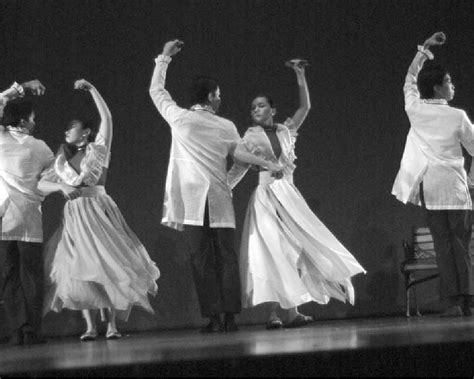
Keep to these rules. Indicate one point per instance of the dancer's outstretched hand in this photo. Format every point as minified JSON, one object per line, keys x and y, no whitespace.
{"x":70,"y":192}
{"x":274,"y":167}
{"x":436,"y":39}
{"x":35,"y":87}
{"x":83,"y":84}
{"x":172,"y":47}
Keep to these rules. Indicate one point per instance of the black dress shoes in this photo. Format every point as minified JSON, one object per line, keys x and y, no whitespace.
{"x":214,"y":326}
{"x":229,"y":323}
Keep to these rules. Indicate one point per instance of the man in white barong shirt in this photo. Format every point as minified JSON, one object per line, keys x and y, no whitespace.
{"x":23,"y":159}
{"x":432,"y":173}
{"x":198,"y":197}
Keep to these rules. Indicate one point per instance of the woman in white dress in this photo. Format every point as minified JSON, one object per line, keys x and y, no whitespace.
{"x":94,"y":261}
{"x":287,"y":256}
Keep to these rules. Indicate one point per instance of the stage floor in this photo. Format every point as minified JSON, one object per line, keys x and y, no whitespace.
{"x":385,"y":346}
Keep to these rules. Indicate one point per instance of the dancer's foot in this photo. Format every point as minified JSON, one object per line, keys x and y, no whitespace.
{"x":274,"y":323}
{"x":89,"y":335}
{"x":215,"y":326}
{"x":113,"y":334}
{"x":229,"y":323}
{"x":453,"y":311}
{"x":298,"y":321}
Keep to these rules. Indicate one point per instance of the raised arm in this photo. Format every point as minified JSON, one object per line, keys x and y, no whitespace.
{"x":18,"y":90}
{"x":410,"y":88}
{"x":104,"y":135}
{"x":160,"y":96}
{"x":303,"y":93}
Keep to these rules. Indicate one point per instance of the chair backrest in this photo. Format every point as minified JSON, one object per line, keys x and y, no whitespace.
{"x":423,"y":246}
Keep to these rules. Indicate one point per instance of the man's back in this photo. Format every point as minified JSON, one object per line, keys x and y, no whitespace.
{"x":440,"y":126}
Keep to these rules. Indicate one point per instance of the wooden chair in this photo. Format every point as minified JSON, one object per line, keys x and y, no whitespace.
{"x":420,"y":257}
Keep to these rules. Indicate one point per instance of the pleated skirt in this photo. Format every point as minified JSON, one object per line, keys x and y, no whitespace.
{"x":94,"y":260}
{"x":287,"y":254}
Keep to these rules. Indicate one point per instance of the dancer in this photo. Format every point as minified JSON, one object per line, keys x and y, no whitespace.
{"x":94,"y":261}
{"x":23,"y":160}
{"x":198,"y":199}
{"x":432,"y":173}
{"x":287,"y":256}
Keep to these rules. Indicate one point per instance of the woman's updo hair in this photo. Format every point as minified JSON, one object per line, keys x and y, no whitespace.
{"x":268,"y":98}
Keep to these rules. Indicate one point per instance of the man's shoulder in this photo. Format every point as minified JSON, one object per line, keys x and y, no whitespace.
{"x":222,"y":121}
{"x":40,"y":144}
{"x":459,"y":111}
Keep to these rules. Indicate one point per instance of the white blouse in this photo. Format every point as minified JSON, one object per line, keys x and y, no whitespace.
{"x":256,"y":142}
{"x":97,"y":158}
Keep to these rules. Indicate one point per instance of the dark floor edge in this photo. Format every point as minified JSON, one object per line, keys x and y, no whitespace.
{"x":449,"y":359}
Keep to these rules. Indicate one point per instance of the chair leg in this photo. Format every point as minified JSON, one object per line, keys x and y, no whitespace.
{"x":408,"y":302}
{"x":418,"y":314}
{"x":407,"y":291}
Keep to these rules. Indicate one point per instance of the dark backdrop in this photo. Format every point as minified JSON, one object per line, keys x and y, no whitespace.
{"x":349,"y":147}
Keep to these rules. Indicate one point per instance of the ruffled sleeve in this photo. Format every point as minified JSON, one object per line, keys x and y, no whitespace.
{"x":236,"y":173}
{"x":92,"y":166}
{"x":290,"y":124}
{"x":50,"y":175}
{"x":96,"y":159}
{"x":254,"y":142}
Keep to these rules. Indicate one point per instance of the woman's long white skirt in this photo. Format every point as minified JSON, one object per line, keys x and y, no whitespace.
{"x":287,"y":255}
{"x":94,"y":260}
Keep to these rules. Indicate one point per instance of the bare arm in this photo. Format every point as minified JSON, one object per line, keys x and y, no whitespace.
{"x":303,"y":93}
{"x":46,"y":187}
{"x":105,"y":128}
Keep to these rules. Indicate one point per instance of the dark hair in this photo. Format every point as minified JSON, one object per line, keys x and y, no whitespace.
{"x":200,"y":89}
{"x":86,"y":124}
{"x":268,"y":98}
{"x":428,"y":78}
{"x":17,"y":110}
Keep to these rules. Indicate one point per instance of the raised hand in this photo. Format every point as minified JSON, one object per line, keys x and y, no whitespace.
{"x":172,"y":47}
{"x":83,"y":84}
{"x":436,"y":39}
{"x":35,"y":87}
{"x":298,"y":65}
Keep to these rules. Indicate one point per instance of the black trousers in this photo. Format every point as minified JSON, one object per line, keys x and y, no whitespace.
{"x":23,"y":281}
{"x":215,"y":268}
{"x":451,"y":231}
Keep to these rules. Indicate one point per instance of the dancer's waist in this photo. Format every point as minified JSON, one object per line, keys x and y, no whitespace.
{"x":92,"y":191}
{"x":265,"y":177}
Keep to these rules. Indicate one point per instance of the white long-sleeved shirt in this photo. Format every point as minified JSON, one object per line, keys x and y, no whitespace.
{"x":23,"y":159}
{"x":200,"y":144}
{"x":433,"y":152}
